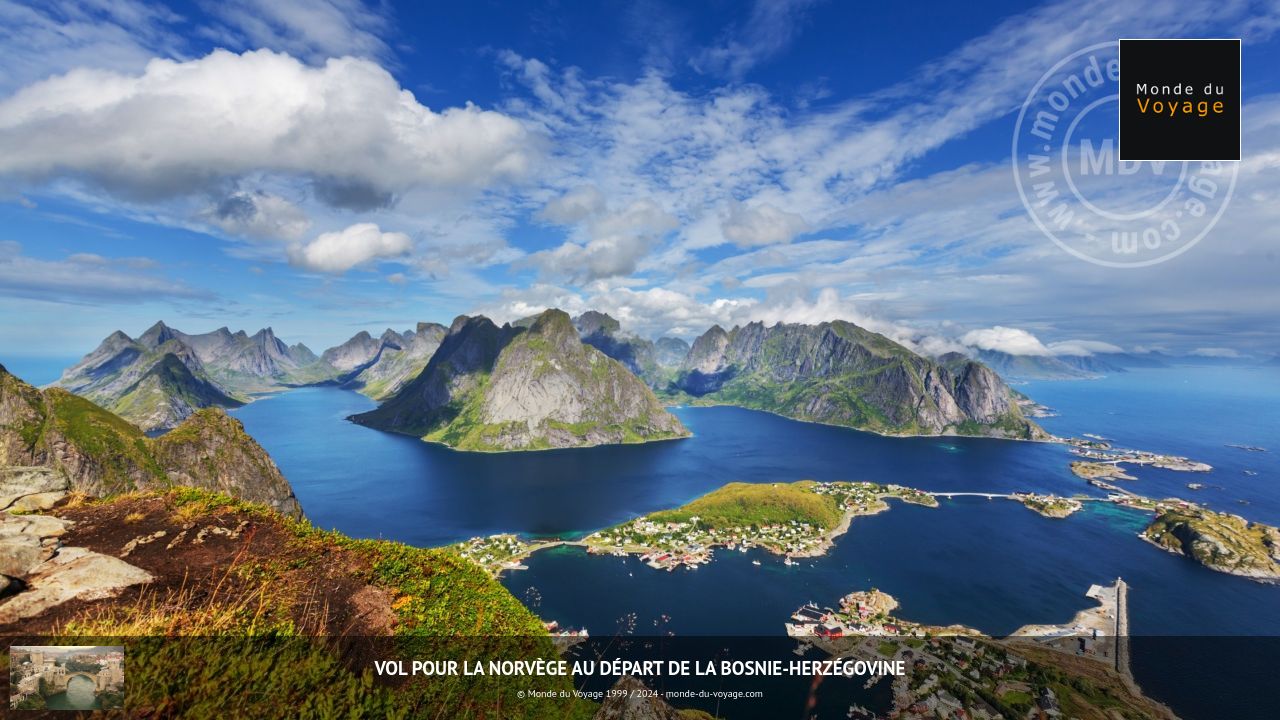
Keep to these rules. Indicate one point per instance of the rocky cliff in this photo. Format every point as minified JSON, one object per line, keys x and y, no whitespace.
{"x":839,"y":373}
{"x":52,"y":442}
{"x":379,"y":368}
{"x":647,"y":360}
{"x":517,"y":388}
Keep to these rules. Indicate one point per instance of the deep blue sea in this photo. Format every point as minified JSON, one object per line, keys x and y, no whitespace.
{"x":993,"y":565}
{"x":989,"y":564}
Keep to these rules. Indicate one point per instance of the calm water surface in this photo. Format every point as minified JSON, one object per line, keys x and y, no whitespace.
{"x":992,"y":565}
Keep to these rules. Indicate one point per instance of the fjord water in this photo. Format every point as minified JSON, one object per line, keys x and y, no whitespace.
{"x":989,"y":564}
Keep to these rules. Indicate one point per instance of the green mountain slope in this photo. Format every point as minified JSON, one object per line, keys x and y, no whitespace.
{"x":98,"y":453}
{"x":841,"y":374}
{"x":517,"y":388}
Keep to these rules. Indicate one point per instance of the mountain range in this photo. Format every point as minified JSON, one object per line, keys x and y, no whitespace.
{"x":549,"y":381}
{"x":526,"y":386}
{"x":842,"y":374}
{"x":379,"y":368}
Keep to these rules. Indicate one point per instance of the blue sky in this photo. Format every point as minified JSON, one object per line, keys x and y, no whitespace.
{"x":330,"y":166}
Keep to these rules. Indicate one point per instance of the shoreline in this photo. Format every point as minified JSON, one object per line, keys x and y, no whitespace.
{"x":1051,"y":440}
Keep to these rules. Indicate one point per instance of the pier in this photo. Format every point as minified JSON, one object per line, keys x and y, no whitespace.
{"x":1122,"y":630}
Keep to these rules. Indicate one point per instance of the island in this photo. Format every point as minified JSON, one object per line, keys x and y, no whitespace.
{"x":1094,"y":470}
{"x":1219,"y":541}
{"x":1050,"y":506}
{"x":799,"y":519}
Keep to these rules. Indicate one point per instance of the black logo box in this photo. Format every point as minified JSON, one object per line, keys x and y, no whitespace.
{"x":1185,"y":67}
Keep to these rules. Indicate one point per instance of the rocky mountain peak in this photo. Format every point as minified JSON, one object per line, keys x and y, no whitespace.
{"x":592,"y":322}
{"x":157,"y":335}
{"x":523,"y":388}
{"x":554,"y":324}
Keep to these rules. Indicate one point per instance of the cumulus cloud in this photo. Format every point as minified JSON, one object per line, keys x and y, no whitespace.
{"x":184,"y":127}
{"x":1005,"y":339}
{"x":762,"y":224}
{"x":340,"y":251}
{"x":574,"y":206}
{"x":258,"y":215}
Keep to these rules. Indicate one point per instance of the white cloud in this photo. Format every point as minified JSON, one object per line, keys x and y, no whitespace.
{"x":607,"y":243}
{"x":770,"y":28}
{"x":1083,"y":348}
{"x":42,"y":39}
{"x":1005,"y":339}
{"x":186,"y":127}
{"x":1216,"y":352}
{"x":338,"y":252}
{"x":762,"y":224}
{"x":574,"y":206}
{"x":85,"y":278}
{"x":314,"y":30}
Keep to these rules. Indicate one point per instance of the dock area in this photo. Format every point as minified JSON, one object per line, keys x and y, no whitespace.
{"x":1101,"y":632}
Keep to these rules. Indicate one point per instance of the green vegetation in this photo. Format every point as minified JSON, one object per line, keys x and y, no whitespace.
{"x":756,"y":505}
{"x":1223,"y":542}
{"x":119,"y":449}
{"x":493,"y":389}
{"x":280,"y":653}
{"x":839,"y":374}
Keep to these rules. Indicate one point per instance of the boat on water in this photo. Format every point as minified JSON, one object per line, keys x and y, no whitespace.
{"x":755,"y":562}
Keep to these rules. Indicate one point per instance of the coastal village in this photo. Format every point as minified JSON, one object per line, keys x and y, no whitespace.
{"x":802,"y":519}
{"x":690,"y":543}
{"x":958,"y":672}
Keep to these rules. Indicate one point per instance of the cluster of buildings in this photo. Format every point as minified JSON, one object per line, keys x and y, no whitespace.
{"x":867,"y":497}
{"x":1101,"y":452}
{"x":47,"y":671}
{"x":669,"y":545}
{"x":861,"y":614}
{"x":495,"y":552}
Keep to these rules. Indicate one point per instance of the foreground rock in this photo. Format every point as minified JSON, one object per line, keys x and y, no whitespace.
{"x":516,"y":388}
{"x":71,"y":574}
{"x":53,"y":442}
{"x":31,"y":488}
{"x":26,"y":541}
{"x":1219,"y":541}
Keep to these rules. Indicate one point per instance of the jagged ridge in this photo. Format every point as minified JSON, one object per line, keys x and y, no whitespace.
{"x":839,"y":373}
{"x":517,"y":388}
